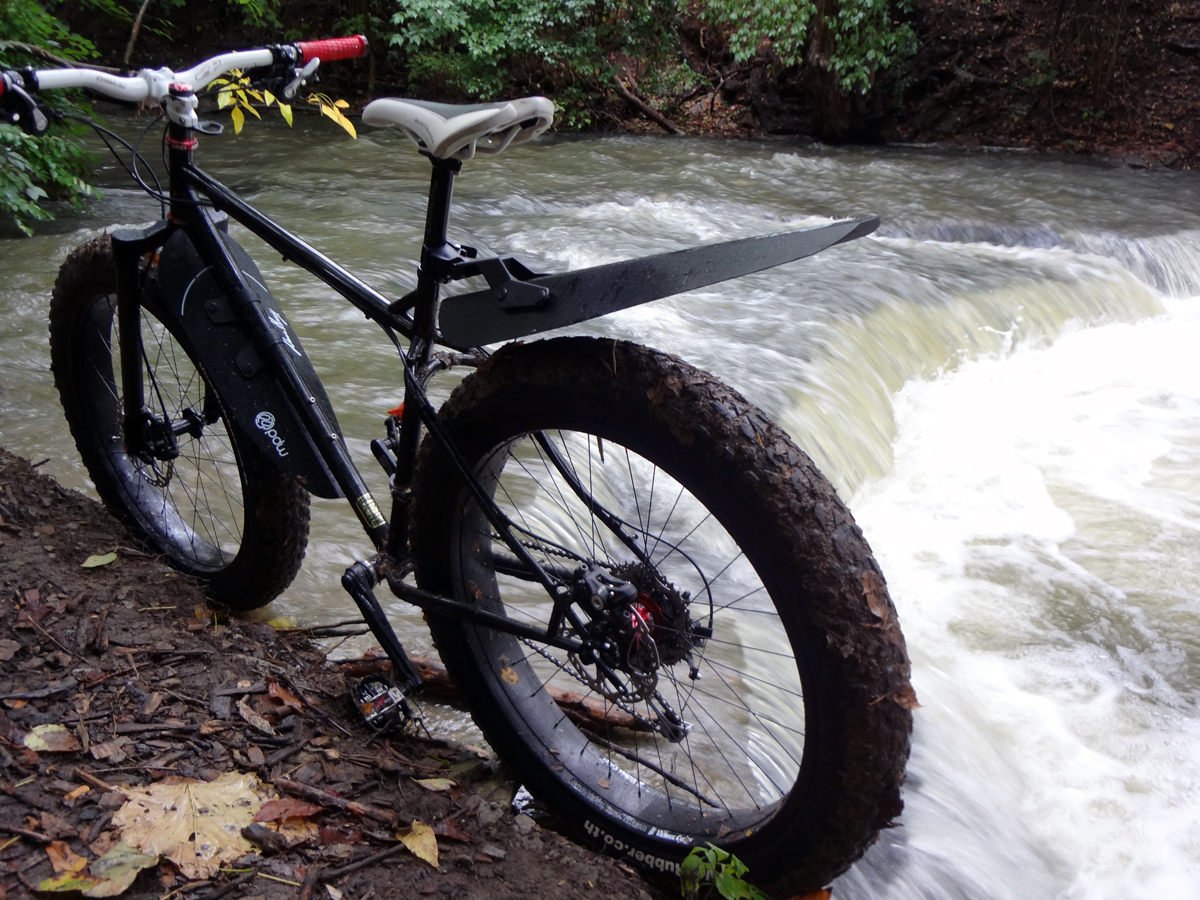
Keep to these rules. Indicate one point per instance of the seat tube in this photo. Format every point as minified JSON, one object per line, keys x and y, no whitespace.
{"x":437,"y":259}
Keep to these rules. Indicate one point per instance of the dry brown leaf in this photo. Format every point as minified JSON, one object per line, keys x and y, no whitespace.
{"x":436,"y":785}
{"x":282,"y":694}
{"x":252,"y":718}
{"x":286,"y":808}
{"x":113,"y":750}
{"x":906,"y":698}
{"x":510,"y":675}
{"x":196,"y":825}
{"x":816,"y":895}
{"x":421,"y":842}
{"x":64,"y":859}
{"x":874,"y":590}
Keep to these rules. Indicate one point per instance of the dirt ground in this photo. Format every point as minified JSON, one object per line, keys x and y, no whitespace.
{"x":152,"y":687}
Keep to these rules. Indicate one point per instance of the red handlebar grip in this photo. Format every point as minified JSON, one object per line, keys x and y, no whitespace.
{"x":334,"y":48}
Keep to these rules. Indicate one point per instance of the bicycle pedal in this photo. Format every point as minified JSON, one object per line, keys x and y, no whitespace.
{"x":381,"y":704}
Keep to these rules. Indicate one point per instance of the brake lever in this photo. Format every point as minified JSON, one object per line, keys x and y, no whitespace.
{"x":27,"y":115}
{"x":302,"y":76}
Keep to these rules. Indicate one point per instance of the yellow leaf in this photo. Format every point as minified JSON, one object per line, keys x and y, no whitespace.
{"x":64,"y":859}
{"x":224,"y":98}
{"x":255,"y":94}
{"x":196,"y":825}
{"x":341,"y":104}
{"x":238,"y":120}
{"x":286,"y":110}
{"x":100,"y":560}
{"x":421,"y":842}
{"x":51,"y":739}
{"x":282,"y":621}
{"x":67,"y":882}
{"x":268,"y":97}
{"x":251,"y":109}
{"x":118,"y":869}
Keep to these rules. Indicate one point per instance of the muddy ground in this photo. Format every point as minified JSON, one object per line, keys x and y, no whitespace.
{"x":151,"y":686}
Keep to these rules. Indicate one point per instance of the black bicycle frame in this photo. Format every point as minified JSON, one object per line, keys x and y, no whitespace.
{"x":517,"y":302}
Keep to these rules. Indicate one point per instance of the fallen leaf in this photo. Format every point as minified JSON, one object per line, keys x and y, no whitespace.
{"x":817,"y":895}
{"x":510,"y":675}
{"x":118,"y":869}
{"x":421,"y":842}
{"x":67,"y":882}
{"x":448,"y":829}
{"x":604,"y":783}
{"x":334,"y":893}
{"x":481,"y":752}
{"x":51,"y":739}
{"x":78,"y":792}
{"x":875,"y":592}
{"x":98,"y":560}
{"x":906,"y":698}
{"x":196,"y":825}
{"x":436,"y":784}
{"x":286,"y":808}
{"x":64,"y":860}
{"x":55,"y":827}
{"x":279,"y":692}
{"x":282,"y":622}
{"x":252,"y":718}
{"x":113,"y":750}
{"x":8,"y":649}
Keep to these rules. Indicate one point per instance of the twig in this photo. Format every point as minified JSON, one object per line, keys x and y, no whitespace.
{"x":41,"y":53}
{"x":332,"y":874}
{"x":311,"y":877}
{"x":231,"y":886}
{"x":25,"y":833}
{"x":330,"y":799}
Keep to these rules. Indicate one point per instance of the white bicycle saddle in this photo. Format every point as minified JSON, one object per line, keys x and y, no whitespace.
{"x":452,"y":131}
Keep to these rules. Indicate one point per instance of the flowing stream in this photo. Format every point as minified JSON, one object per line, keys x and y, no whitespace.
{"x":1003,"y":382}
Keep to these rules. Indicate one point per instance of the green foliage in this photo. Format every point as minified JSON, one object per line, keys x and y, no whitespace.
{"x":33,"y":169}
{"x":474,"y":45}
{"x":50,"y":167}
{"x":852,"y":38}
{"x":1044,"y":71}
{"x":24,"y":21}
{"x":712,"y":864}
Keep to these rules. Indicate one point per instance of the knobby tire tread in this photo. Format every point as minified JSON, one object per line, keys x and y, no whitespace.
{"x":862,"y":694}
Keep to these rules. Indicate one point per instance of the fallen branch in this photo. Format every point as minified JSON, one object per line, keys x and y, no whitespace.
{"x":334,"y":801}
{"x":646,"y":109}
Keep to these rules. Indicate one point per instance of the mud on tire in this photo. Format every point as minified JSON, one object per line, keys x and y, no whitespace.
{"x":215,"y":511}
{"x":800,"y":721}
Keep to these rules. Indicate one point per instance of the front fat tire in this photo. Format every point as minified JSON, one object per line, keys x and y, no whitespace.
{"x":827,"y":592}
{"x":217,"y":512}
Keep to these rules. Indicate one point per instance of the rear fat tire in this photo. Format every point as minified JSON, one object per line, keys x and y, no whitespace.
{"x":831,"y":600}
{"x":216,"y":494}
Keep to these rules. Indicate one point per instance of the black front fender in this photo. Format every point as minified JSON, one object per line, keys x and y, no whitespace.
{"x":185,"y":296}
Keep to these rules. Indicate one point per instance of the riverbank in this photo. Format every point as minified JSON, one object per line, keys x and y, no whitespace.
{"x":1010,"y":73}
{"x":118,"y":678}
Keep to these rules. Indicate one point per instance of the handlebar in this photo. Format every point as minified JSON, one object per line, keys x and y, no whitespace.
{"x":155,"y":83}
{"x":334,"y":48}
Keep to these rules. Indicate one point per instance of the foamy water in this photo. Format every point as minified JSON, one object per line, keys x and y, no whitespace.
{"x":1041,"y":535}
